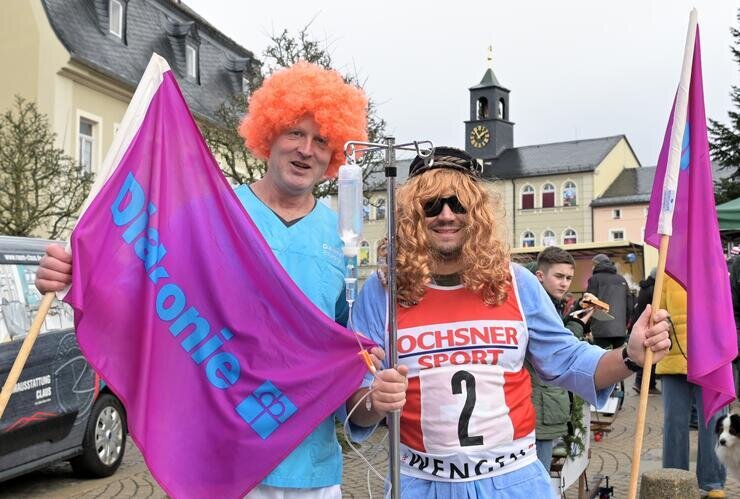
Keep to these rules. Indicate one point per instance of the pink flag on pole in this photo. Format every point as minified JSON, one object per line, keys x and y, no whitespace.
{"x":695,"y":258}
{"x":223,"y":365}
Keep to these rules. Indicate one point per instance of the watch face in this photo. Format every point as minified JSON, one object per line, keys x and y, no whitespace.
{"x":479,"y":136}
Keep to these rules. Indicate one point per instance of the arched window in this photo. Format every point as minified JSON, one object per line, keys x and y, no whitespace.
{"x":528,"y":240}
{"x":364,"y":255}
{"x":482,"y":112}
{"x":380,"y":209}
{"x":365,"y":209}
{"x":548,"y":196}
{"x":527,"y":197}
{"x":548,"y":238}
{"x":569,"y":194}
{"x":570,"y":236}
{"x":502,"y":109}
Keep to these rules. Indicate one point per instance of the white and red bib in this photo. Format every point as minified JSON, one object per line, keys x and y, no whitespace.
{"x":468,"y":411}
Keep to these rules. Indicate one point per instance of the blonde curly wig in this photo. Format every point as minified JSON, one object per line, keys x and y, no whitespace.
{"x":485,"y":257}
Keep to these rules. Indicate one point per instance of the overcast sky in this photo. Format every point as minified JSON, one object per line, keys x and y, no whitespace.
{"x":576,"y":69}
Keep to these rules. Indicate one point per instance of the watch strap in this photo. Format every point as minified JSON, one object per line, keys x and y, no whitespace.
{"x":631,"y":364}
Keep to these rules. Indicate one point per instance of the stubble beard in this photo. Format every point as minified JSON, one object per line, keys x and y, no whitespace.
{"x":446,"y":255}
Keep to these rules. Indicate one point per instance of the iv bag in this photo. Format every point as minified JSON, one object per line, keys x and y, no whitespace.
{"x":350,"y":207}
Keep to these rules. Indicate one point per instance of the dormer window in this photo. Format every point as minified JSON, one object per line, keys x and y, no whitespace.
{"x":115,"y":18}
{"x":245,"y":85}
{"x":191,"y":61}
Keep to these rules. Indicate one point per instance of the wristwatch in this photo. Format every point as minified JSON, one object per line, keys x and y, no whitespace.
{"x":631,"y":364}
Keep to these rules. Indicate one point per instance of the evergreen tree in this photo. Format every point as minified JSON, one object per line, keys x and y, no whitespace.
{"x":724,"y":142}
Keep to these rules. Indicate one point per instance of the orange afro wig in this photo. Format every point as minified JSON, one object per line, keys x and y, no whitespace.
{"x":304,"y":89}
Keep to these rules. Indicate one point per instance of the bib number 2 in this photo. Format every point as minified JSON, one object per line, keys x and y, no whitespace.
{"x":462,"y":425}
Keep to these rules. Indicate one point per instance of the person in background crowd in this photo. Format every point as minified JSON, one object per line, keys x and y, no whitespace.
{"x":555,"y":270}
{"x":611,"y":288}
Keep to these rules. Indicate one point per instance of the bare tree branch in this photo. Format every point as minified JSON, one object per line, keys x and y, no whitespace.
{"x":41,"y":188}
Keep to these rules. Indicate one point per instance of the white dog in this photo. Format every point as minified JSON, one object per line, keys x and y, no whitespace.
{"x":728,"y":443}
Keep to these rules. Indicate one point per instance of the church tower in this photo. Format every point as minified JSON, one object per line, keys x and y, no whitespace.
{"x":488,"y":131}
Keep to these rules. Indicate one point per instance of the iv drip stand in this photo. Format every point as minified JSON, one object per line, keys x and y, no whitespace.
{"x":389,"y":146}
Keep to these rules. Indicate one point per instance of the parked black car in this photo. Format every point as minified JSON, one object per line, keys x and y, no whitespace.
{"x":59,"y":409}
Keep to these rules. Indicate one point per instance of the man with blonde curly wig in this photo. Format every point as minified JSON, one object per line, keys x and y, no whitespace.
{"x":467,"y":318}
{"x":298,"y":122}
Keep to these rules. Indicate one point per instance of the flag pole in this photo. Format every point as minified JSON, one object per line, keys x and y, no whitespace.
{"x":25,"y":351}
{"x":646,"y":370}
{"x":665,"y":229}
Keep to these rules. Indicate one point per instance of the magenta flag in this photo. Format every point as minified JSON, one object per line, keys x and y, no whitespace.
{"x":695,"y":258}
{"x":223,"y":365}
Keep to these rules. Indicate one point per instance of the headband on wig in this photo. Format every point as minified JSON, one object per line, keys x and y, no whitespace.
{"x":305,"y":89}
{"x":446,"y":157}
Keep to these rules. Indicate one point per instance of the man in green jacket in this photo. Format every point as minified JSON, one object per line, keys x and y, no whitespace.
{"x":555,"y":269}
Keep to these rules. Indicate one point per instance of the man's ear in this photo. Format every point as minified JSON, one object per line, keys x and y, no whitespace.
{"x":540,"y":275}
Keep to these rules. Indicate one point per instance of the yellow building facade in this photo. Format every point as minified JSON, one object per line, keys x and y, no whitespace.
{"x":80,"y":63}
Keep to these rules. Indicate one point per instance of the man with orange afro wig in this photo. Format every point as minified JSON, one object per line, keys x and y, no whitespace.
{"x":298,"y":121}
{"x":467,"y":318}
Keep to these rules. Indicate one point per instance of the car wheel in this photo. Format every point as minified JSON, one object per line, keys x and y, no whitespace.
{"x":105,"y":439}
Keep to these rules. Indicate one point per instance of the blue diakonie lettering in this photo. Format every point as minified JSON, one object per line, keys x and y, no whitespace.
{"x":186,"y":324}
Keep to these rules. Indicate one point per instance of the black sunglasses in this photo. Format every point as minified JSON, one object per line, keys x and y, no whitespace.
{"x":434,"y":207}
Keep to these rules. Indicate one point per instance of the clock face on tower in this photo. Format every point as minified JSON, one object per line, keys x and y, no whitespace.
{"x":479,"y":136}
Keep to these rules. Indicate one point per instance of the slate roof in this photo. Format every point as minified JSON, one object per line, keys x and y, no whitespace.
{"x":77,"y":24}
{"x":489,"y":80}
{"x":550,"y":159}
{"x":632,"y":186}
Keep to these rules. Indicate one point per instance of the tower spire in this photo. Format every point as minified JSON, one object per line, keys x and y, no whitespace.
{"x":490,"y":56}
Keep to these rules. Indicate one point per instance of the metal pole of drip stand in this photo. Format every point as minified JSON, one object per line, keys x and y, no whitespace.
{"x":389,"y":146}
{"x":394,"y":418}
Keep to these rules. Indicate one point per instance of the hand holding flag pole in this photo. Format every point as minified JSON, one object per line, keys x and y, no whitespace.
{"x":646,"y":371}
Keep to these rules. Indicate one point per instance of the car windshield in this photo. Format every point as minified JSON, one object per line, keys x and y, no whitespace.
{"x":19,"y":300}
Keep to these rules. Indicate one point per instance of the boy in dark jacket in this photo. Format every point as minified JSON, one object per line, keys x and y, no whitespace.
{"x":555,"y":269}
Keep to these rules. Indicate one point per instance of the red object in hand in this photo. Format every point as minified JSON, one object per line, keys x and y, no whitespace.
{"x":597,"y":437}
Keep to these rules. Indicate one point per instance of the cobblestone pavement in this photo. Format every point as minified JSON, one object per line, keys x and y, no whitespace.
{"x":610,"y":457}
{"x":59,"y":482}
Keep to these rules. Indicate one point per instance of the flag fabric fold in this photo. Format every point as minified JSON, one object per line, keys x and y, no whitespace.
{"x":223,"y":365}
{"x":695,"y":258}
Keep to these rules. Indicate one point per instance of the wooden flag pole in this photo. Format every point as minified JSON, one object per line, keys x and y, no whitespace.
{"x":25,"y":351}
{"x":646,"y":370}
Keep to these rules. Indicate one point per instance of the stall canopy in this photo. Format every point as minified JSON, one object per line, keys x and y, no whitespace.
{"x":729,"y":215}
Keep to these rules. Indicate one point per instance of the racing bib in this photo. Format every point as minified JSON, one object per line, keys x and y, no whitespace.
{"x":468,"y":411}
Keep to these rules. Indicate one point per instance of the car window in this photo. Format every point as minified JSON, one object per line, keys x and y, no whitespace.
{"x":20,"y":300}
